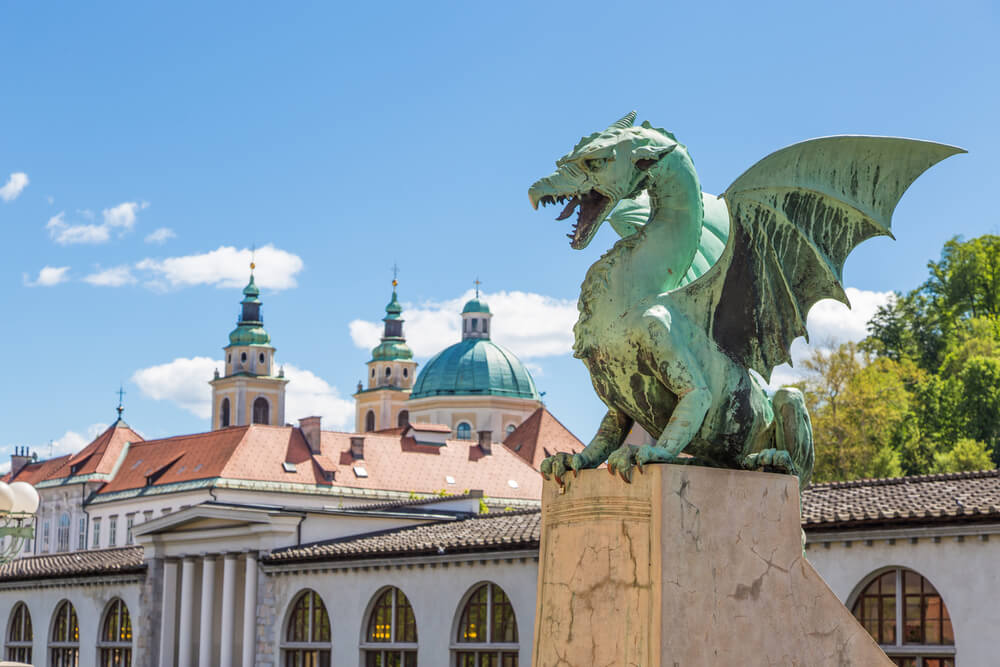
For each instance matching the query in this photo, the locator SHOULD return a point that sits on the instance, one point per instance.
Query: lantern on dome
(18, 504)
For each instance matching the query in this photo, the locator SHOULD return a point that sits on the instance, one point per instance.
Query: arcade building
(412, 540)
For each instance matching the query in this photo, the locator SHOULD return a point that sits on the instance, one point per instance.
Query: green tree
(967, 454)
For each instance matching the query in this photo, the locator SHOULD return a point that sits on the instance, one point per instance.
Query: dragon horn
(625, 121)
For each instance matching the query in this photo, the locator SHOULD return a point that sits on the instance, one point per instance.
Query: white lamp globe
(25, 498)
(6, 497)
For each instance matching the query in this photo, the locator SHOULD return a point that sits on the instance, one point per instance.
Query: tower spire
(121, 395)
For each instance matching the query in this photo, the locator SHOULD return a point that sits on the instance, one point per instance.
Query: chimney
(486, 441)
(311, 432)
(18, 460)
(357, 447)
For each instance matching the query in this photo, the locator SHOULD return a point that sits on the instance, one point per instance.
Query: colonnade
(177, 635)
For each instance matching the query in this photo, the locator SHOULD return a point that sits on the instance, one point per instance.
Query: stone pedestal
(686, 566)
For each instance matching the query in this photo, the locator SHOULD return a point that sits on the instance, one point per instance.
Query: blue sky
(342, 139)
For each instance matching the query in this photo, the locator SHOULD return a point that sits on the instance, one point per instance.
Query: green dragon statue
(702, 289)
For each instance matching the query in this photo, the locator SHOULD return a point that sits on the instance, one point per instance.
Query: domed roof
(249, 334)
(475, 306)
(475, 367)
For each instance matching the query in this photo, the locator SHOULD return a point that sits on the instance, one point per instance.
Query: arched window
(370, 421)
(907, 617)
(391, 633)
(261, 411)
(224, 413)
(510, 429)
(19, 634)
(114, 645)
(307, 633)
(464, 431)
(487, 630)
(404, 418)
(64, 640)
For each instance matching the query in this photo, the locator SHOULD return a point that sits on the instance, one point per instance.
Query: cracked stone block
(685, 566)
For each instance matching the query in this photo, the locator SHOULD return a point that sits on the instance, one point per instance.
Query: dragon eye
(595, 163)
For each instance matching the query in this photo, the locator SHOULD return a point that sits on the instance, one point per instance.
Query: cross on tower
(121, 396)
(253, 255)
(477, 282)
(395, 274)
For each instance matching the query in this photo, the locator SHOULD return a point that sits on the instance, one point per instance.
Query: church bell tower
(249, 392)
(382, 403)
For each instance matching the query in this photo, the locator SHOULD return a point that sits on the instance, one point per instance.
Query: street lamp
(18, 504)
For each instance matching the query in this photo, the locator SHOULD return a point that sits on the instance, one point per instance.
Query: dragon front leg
(610, 435)
(678, 369)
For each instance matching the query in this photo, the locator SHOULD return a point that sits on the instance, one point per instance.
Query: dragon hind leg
(793, 441)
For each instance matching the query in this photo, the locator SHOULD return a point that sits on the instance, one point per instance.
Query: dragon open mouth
(593, 208)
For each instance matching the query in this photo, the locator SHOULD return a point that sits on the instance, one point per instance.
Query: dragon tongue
(568, 211)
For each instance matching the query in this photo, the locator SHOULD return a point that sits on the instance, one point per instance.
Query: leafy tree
(967, 454)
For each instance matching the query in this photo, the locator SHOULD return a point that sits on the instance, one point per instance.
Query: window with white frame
(487, 629)
(45, 537)
(113, 530)
(391, 633)
(64, 640)
(81, 538)
(129, 525)
(307, 633)
(19, 634)
(96, 542)
(62, 533)
(905, 614)
(114, 644)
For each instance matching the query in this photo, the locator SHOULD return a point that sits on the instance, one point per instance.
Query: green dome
(249, 334)
(475, 367)
(475, 306)
(392, 350)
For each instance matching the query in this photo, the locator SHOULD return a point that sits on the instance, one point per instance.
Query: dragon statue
(701, 290)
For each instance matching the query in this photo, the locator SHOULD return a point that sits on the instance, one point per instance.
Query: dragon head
(600, 171)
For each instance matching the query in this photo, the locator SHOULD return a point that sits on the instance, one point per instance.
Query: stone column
(168, 617)
(187, 612)
(250, 611)
(207, 611)
(228, 609)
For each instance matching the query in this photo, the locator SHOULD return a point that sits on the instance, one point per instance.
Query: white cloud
(120, 217)
(116, 276)
(48, 277)
(225, 267)
(182, 381)
(123, 215)
(831, 323)
(15, 184)
(185, 383)
(64, 233)
(161, 235)
(531, 325)
(308, 394)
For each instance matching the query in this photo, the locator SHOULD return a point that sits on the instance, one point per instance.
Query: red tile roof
(101, 455)
(539, 436)
(431, 428)
(392, 463)
(39, 471)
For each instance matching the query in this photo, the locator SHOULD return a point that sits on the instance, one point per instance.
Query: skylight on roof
(288, 466)
(512, 483)
(360, 472)
(449, 479)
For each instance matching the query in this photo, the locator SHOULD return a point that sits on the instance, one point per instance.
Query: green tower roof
(475, 306)
(393, 346)
(250, 327)
(475, 367)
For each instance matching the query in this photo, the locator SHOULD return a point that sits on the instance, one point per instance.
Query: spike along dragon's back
(700, 290)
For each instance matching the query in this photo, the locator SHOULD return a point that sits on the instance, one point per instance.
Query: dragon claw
(771, 460)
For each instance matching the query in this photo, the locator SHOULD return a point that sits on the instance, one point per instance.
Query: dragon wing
(795, 216)
(631, 215)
